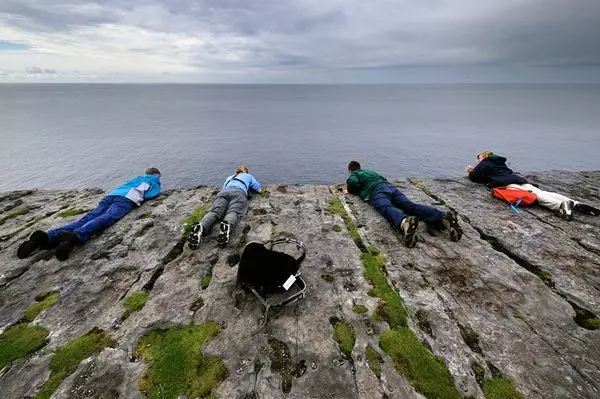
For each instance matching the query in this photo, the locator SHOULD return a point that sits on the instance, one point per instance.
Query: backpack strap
(238, 180)
(299, 245)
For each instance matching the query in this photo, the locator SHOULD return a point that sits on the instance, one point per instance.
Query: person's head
(153, 171)
(241, 169)
(353, 165)
(483, 155)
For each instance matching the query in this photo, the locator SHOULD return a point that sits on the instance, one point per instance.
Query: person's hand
(470, 169)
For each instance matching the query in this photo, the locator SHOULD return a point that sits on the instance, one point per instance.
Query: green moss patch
(500, 388)
(426, 373)
(135, 302)
(360, 309)
(44, 301)
(206, 280)
(71, 212)
(19, 341)
(281, 363)
(479, 372)
(520, 316)
(177, 365)
(373, 250)
(14, 214)
(336, 207)
(374, 360)
(584, 318)
(470, 337)
(195, 217)
(391, 308)
(66, 359)
(344, 335)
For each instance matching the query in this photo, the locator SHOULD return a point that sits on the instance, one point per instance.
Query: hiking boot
(38, 239)
(224, 234)
(586, 209)
(408, 229)
(195, 237)
(566, 210)
(66, 242)
(450, 223)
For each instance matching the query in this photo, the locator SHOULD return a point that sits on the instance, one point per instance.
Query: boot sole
(63, 250)
(26, 249)
(410, 237)
(455, 229)
(223, 237)
(195, 237)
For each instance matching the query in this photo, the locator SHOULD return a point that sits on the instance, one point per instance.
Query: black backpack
(272, 276)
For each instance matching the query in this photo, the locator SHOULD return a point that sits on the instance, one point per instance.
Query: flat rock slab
(513, 281)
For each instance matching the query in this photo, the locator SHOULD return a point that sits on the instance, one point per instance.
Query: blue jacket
(244, 181)
(139, 189)
(494, 172)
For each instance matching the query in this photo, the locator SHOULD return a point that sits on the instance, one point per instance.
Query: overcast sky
(295, 41)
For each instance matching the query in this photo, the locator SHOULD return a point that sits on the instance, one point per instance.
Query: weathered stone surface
(502, 298)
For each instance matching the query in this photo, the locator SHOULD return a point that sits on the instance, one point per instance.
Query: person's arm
(254, 184)
(478, 174)
(352, 184)
(153, 191)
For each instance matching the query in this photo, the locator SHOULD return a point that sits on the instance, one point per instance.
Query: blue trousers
(392, 204)
(110, 209)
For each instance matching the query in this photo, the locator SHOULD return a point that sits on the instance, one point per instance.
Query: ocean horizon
(75, 135)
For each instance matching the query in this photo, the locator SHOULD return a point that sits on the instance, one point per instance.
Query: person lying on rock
(491, 170)
(111, 209)
(395, 206)
(230, 206)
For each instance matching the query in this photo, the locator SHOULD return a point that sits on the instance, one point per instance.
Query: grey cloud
(353, 34)
(39, 71)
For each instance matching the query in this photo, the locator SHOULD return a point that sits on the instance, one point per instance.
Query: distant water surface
(83, 135)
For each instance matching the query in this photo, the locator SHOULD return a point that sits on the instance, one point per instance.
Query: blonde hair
(484, 155)
(241, 169)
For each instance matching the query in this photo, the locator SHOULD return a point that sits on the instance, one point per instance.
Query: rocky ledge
(510, 311)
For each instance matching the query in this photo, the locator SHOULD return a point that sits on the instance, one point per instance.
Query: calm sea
(83, 135)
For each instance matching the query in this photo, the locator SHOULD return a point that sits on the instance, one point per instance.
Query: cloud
(39, 71)
(305, 40)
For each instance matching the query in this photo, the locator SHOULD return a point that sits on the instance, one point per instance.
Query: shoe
(195, 237)
(66, 242)
(38, 239)
(566, 210)
(450, 223)
(586, 209)
(408, 229)
(224, 234)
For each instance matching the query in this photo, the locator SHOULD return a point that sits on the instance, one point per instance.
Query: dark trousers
(110, 209)
(393, 205)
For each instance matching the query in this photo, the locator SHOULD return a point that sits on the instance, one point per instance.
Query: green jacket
(362, 182)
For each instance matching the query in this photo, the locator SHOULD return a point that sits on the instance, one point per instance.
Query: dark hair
(353, 165)
(152, 171)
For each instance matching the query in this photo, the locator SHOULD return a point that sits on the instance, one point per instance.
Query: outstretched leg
(214, 214)
(115, 212)
(238, 207)
(102, 207)
(430, 215)
(49, 240)
(424, 213)
(382, 202)
(553, 201)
